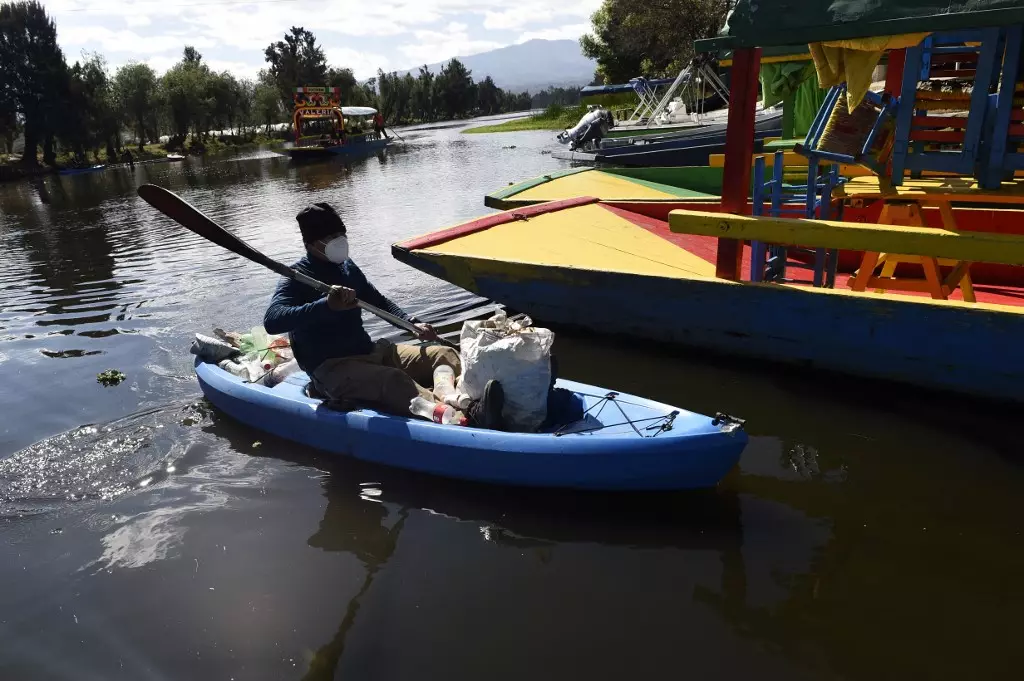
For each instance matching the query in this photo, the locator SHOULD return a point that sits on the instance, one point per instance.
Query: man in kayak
(331, 345)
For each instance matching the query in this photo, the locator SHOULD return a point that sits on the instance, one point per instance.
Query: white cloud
(435, 46)
(364, 65)
(389, 34)
(571, 32)
(108, 41)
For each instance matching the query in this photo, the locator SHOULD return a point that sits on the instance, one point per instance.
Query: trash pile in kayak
(256, 357)
(595, 439)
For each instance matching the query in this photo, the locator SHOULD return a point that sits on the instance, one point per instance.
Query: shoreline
(153, 153)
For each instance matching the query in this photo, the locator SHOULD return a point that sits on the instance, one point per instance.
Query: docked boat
(323, 128)
(81, 171)
(608, 269)
(606, 440)
(690, 146)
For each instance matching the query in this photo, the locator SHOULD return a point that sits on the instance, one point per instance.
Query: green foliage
(652, 39)
(136, 92)
(33, 75)
(110, 377)
(295, 61)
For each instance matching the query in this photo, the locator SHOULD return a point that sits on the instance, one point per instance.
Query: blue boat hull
(351, 148)
(694, 453)
(946, 346)
(689, 148)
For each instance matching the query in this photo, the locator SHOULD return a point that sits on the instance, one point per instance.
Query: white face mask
(336, 250)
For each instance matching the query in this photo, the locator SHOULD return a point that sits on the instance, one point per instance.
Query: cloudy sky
(364, 35)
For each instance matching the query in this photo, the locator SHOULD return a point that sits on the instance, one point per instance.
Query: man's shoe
(486, 412)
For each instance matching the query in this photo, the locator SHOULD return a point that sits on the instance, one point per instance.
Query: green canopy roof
(765, 23)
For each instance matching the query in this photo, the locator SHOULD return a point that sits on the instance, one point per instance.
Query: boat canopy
(631, 86)
(358, 111)
(765, 23)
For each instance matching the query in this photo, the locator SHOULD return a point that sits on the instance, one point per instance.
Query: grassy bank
(554, 118)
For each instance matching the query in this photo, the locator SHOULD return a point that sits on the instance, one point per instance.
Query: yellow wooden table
(903, 205)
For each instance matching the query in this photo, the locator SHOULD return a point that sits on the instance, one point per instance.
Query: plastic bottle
(460, 401)
(235, 368)
(444, 382)
(436, 412)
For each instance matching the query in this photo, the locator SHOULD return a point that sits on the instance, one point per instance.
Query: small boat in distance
(325, 128)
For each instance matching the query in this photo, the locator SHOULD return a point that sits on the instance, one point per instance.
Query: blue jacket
(317, 332)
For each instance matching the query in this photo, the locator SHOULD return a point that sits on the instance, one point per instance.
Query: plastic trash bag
(518, 355)
(212, 350)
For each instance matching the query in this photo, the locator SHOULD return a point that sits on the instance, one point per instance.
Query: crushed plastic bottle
(460, 401)
(436, 412)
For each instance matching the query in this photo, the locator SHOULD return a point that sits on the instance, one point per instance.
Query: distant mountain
(533, 65)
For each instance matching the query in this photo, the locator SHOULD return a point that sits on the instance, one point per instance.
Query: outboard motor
(589, 128)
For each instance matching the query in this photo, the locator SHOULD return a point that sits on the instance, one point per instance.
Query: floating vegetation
(110, 377)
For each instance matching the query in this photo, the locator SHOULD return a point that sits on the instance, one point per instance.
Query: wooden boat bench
(874, 239)
(902, 205)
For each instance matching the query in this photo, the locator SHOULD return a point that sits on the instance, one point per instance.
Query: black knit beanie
(318, 221)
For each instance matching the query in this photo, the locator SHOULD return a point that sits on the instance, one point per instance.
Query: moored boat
(608, 269)
(324, 128)
(606, 440)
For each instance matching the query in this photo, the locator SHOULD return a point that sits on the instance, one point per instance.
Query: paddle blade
(190, 217)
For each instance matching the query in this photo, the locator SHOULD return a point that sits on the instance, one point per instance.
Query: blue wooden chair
(927, 137)
(862, 136)
(776, 198)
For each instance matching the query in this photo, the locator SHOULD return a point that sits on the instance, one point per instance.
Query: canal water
(869, 532)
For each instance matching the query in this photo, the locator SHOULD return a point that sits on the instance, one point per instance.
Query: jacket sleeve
(290, 309)
(369, 293)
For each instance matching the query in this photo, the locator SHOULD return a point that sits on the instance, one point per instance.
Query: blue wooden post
(757, 248)
(995, 169)
(905, 112)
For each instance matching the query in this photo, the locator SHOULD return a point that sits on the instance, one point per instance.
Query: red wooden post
(739, 152)
(894, 71)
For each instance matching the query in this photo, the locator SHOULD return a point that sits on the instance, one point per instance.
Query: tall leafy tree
(649, 38)
(185, 88)
(455, 89)
(93, 117)
(488, 96)
(33, 75)
(135, 87)
(295, 61)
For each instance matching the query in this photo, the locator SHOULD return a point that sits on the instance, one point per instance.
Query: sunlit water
(868, 533)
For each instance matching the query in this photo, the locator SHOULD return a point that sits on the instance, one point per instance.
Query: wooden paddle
(193, 219)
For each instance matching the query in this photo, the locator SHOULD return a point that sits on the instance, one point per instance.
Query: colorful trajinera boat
(908, 271)
(324, 128)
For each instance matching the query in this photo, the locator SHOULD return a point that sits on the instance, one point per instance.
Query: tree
(135, 87)
(93, 116)
(649, 38)
(185, 88)
(488, 96)
(424, 107)
(266, 103)
(295, 61)
(33, 75)
(455, 89)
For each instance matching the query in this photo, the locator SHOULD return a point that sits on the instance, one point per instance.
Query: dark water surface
(868, 532)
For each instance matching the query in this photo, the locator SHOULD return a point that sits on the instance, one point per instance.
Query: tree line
(84, 107)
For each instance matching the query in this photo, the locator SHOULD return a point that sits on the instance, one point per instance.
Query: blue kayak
(608, 441)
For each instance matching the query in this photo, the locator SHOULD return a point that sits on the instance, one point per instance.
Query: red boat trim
(485, 223)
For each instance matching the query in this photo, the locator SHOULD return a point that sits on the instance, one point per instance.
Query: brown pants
(386, 379)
